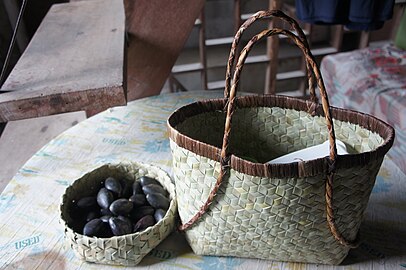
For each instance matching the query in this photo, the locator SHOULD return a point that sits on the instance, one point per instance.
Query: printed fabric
(373, 81)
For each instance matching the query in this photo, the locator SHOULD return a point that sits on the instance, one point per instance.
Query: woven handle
(262, 15)
(225, 156)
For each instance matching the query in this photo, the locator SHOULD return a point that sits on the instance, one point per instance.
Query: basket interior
(263, 133)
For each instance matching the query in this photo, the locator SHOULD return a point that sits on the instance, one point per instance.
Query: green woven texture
(118, 250)
(271, 218)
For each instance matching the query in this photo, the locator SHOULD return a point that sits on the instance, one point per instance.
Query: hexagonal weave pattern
(275, 218)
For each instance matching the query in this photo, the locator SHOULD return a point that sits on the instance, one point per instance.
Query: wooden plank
(157, 35)
(290, 75)
(229, 40)
(324, 51)
(246, 16)
(263, 58)
(22, 139)
(216, 85)
(219, 41)
(192, 67)
(74, 62)
(279, 76)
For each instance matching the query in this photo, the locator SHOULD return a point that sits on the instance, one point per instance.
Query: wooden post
(237, 15)
(363, 40)
(202, 49)
(337, 37)
(303, 82)
(272, 52)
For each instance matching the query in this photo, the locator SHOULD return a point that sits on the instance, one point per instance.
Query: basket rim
(295, 169)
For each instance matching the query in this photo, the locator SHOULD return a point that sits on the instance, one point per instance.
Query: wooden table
(31, 236)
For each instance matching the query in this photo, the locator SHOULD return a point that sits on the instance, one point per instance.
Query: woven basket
(230, 206)
(118, 250)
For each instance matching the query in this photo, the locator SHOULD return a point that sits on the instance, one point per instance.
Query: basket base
(250, 252)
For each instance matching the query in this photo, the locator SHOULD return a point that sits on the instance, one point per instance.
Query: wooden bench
(74, 62)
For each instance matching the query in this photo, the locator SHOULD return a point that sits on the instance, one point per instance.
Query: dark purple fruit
(144, 223)
(145, 180)
(93, 227)
(113, 185)
(140, 212)
(126, 188)
(138, 200)
(87, 202)
(152, 188)
(104, 198)
(105, 218)
(91, 215)
(123, 218)
(105, 231)
(119, 226)
(158, 201)
(105, 212)
(121, 207)
(159, 214)
(137, 187)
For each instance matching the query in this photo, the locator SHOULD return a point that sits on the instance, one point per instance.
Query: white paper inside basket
(313, 152)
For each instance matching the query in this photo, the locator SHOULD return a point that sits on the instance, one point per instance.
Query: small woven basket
(230, 206)
(118, 250)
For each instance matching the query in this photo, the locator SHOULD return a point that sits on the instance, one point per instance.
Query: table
(31, 236)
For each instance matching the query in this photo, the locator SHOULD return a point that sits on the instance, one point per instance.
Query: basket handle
(231, 106)
(262, 15)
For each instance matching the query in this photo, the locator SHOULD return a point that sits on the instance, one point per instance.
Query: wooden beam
(157, 33)
(74, 62)
(202, 49)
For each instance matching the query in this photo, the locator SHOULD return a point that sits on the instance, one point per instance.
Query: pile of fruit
(120, 207)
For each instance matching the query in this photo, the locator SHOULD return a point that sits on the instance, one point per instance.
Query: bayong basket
(304, 211)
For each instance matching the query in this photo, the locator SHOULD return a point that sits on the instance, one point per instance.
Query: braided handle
(262, 15)
(225, 156)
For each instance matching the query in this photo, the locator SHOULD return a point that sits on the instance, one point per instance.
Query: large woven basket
(127, 249)
(307, 211)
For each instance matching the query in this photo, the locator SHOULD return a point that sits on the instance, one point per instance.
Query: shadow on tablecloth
(379, 242)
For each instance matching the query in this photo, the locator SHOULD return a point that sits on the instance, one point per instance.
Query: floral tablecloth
(373, 81)
(31, 236)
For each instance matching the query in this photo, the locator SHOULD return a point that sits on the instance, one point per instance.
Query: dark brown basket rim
(296, 169)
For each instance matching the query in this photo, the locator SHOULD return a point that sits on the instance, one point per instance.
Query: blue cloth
(354, 14)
